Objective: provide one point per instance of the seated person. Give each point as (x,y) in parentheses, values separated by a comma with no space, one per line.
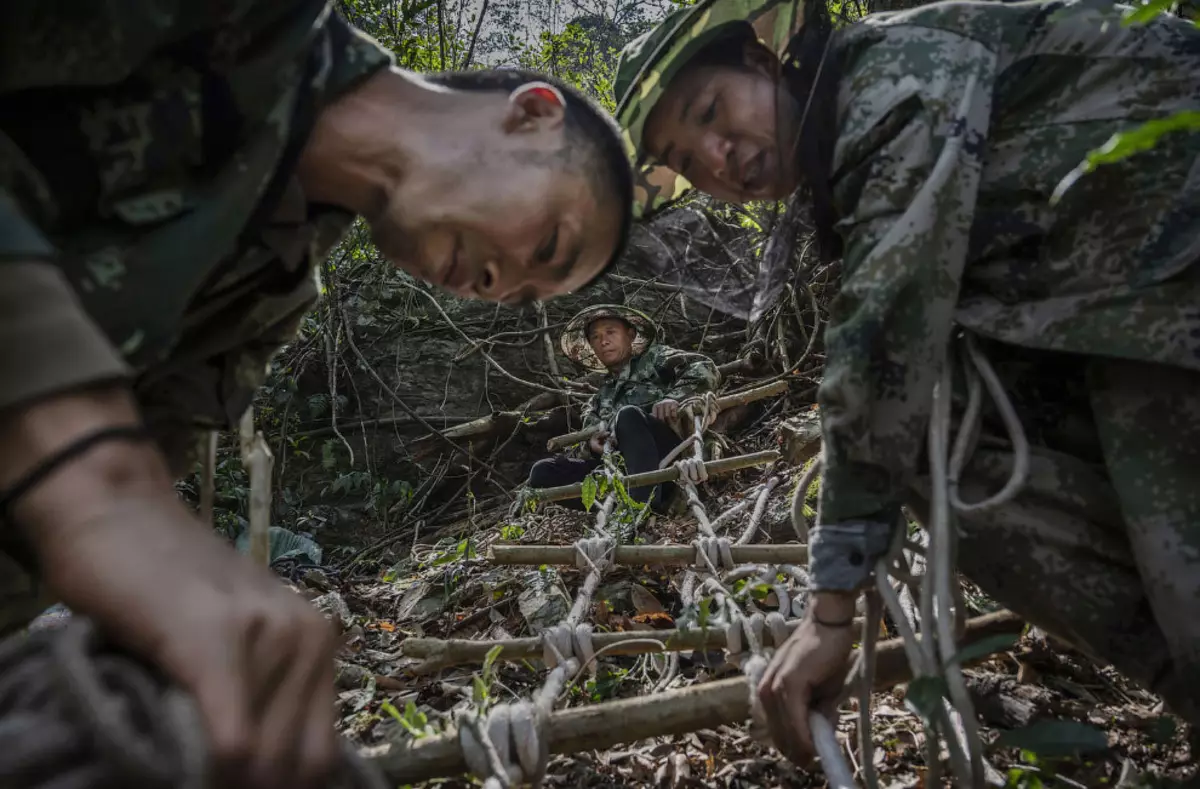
(649,387)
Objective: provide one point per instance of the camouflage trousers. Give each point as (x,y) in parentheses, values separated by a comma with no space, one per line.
(1104,553)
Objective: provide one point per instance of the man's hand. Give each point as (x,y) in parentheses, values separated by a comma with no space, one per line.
(806,673)
(116,544)
(596,442)
(703,406)
(666,410)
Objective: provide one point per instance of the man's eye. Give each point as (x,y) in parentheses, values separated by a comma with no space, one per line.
(709,113)
(546,253)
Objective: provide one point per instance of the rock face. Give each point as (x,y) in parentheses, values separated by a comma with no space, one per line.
(448,381)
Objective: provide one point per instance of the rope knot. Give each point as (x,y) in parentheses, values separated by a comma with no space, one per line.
(594,553)
(566,642)
(714,553)
(749,627)
(507,748)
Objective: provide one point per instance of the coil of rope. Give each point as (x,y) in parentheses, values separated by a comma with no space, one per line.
(931,653)
(76,713)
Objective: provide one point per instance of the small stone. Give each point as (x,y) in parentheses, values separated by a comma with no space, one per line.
(543,608)
(335,607)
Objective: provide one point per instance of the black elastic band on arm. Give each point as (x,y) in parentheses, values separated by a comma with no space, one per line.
(65,455)
(843,623)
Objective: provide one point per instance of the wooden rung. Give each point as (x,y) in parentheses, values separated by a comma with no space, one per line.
(597,726)
(714,468)
(638,555)
(727,401)
(459,651)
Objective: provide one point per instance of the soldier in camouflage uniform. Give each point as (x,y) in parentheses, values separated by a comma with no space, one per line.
(650,389)
(171,175)
(933,142)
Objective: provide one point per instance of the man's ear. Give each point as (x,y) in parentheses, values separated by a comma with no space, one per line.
(535,105)
(760,59)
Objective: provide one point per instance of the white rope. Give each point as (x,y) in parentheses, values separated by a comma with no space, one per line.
(566,641)
(714,553)
(595,553)
(507,747)
(760,507)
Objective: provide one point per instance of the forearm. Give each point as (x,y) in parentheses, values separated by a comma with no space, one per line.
(79,490)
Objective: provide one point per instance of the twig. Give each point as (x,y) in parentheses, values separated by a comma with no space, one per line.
(484,353)
(638,555)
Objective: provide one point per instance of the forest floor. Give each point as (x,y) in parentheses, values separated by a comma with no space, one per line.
(1054,698)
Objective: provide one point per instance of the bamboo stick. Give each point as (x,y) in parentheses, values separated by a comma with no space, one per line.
(728,401)
(637,555)
(459,651)
(714,467)
(702,706)
(259,463)
(208,474)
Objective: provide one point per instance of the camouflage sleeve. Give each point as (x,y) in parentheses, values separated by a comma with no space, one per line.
(908,160)
(690,374)
(47,341)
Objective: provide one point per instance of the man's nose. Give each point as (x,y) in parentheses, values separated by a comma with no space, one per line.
(495,281)
(715,152)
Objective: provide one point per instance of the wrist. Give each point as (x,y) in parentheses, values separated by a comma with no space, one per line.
(830,607)
(85,485)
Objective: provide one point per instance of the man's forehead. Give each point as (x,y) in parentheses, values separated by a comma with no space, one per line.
(608,320)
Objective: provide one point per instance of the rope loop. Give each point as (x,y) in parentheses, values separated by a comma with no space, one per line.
(594,553)
(507,747)
(714,553)
(564,642)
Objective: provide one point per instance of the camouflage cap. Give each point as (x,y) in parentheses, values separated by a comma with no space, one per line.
(574,341)
(648,64)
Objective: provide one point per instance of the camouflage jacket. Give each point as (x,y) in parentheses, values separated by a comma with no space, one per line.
(660,373)
(956,122)
(152,226)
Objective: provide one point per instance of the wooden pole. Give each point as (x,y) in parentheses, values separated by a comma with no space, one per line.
(714,467)
(457,651)
(597,726)
(638,555)
(728,401)
(259,463)
(208,474)
(460,651)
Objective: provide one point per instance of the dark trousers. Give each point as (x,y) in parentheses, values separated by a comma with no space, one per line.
(641,439)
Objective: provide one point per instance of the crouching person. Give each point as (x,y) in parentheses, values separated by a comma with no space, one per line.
(650,387)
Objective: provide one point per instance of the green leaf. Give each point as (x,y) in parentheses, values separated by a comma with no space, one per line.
(390,709)
(1146,11)
(1055,738)
(924,697)
(1125,144)
(985,647)
(480,690)
(489,660)
(589,492)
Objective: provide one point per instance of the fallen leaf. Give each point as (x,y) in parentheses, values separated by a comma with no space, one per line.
(625,624)
(644,601)
(659,620)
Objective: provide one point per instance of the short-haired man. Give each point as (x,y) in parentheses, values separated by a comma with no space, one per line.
(170,174)
(648,386)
